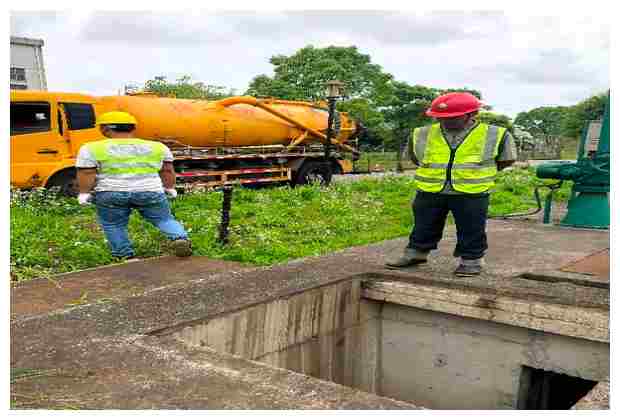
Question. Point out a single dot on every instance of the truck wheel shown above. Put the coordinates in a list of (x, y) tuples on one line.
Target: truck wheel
[(313, 171), (66, 183)]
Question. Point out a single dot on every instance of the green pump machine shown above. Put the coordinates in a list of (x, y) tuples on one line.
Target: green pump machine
[(588, 206)]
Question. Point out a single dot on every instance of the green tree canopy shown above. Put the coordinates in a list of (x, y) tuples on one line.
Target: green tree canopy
[(303, 75), (499, 120), (185, 88), (566, 121), (578, 116), (545, 120)]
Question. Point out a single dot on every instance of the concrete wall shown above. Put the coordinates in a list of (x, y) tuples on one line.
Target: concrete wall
[(431, 358), (328, 333), (445, 361)]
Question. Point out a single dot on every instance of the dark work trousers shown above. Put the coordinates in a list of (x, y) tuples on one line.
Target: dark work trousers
[(470, 215)]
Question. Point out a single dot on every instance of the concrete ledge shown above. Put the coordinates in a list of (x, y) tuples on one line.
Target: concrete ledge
[(574, 321), (161, 373)]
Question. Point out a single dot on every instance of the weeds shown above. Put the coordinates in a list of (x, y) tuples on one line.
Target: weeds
[(51, 235)]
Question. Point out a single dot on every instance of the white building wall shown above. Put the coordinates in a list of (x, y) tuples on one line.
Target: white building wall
[(27, 54)]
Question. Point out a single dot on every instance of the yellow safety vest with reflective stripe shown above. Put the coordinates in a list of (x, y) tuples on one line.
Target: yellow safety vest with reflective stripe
[(471, 167), (127, 157)]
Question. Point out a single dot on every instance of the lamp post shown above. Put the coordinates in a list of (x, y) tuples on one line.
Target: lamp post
[(335, 89)]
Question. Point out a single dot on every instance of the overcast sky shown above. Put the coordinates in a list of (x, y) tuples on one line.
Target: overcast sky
[(517, 62)]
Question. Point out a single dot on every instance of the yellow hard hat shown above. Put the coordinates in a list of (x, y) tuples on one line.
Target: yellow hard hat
[(116, 117)]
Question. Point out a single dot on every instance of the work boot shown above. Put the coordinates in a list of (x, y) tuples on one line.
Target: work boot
[(469, 268), (182, 247), (125, 259), (411, 257)]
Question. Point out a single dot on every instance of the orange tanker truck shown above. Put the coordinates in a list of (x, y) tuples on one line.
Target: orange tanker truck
[(240, 139)]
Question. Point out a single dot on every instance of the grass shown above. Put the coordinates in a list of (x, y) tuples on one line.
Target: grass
[(52, 235), (570, 149)]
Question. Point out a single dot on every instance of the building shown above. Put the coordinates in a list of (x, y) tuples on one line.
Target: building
[(27, 69)]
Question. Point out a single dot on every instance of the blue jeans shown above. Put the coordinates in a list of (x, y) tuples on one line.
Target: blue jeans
[(114, 208)]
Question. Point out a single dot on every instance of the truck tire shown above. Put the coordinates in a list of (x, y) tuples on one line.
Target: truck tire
[(314, 171), (65, 181)]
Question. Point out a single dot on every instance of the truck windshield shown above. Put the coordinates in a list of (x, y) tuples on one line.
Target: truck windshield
[(30, 117)]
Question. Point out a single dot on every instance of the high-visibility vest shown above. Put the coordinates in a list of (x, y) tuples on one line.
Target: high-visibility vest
[(471, 167), (128, 157)]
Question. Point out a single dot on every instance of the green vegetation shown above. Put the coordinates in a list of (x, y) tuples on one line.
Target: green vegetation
[(570, 149), (185, 88), (381, 161), (51, 235), (565, 121)]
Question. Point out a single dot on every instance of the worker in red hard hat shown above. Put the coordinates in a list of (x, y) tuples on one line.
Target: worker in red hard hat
[(458, 158)]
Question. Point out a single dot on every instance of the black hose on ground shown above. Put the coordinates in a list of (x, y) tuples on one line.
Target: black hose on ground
[(538, 204)]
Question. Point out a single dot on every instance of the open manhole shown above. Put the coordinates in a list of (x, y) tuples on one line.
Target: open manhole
[(544, 390), (410, 351)]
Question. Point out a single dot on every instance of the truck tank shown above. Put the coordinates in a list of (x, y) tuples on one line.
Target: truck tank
[(231, 122)]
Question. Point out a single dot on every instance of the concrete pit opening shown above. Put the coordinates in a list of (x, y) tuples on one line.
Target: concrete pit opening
[(437, 345), (548, 390)]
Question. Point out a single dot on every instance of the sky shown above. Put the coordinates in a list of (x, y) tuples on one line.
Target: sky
[(517, 61)]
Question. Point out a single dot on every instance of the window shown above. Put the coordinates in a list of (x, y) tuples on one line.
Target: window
[(79, 116), (18, 74), (30, 117)]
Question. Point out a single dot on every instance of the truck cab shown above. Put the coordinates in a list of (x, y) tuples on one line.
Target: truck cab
[(47, 130)]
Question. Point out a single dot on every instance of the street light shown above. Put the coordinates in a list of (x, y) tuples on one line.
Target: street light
[(335, 88)]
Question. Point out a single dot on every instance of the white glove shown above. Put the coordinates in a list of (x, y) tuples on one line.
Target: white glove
[(171, 192), (84, 198)]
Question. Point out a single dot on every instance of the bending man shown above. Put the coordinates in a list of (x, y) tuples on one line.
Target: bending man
[(122, 173)]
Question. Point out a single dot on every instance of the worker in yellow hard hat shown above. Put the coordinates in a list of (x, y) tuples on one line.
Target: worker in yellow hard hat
[(121, 173)]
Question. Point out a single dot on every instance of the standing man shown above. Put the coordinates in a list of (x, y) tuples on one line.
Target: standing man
[(458, 159), (122, 173)]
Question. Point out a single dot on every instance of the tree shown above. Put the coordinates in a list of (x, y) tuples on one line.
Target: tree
[(184, 88), (406, 107), (303, 75), (565, 121), (375, 130), (496, 119), (545, 120), (389, 109), (578, 116)]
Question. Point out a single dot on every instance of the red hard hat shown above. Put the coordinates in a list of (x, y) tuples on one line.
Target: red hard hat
[(453, 104)]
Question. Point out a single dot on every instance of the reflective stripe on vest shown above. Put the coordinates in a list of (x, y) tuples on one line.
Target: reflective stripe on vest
[(473, 169), (127, 157)]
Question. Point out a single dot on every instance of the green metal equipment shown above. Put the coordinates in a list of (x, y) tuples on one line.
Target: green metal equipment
[(588, 206)]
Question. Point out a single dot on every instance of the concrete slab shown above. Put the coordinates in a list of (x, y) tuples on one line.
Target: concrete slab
[(562, 308), (114, 361), (111, 282), (596, 265)]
